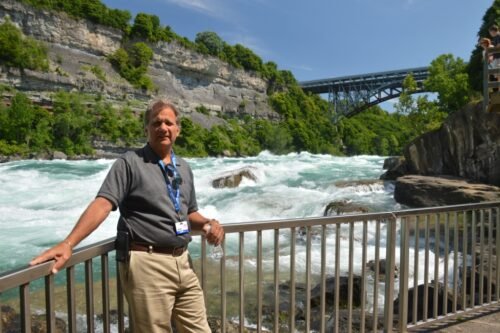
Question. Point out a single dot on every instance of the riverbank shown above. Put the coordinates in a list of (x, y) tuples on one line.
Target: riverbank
[(100, 153)]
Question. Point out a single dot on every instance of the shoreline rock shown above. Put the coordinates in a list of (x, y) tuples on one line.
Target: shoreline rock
[(428, 191), (467, 145)]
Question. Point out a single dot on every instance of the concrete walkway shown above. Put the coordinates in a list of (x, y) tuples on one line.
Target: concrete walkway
[(482, 321)]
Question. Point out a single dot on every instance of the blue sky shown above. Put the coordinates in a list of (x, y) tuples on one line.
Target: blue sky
[(328, 38)]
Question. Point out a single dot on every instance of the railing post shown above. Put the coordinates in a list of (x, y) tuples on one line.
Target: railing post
[(1, 325), (403, 275), (71, 299), (242, 281), (119, 302), (390, 259), (24, 294), (50, 316)]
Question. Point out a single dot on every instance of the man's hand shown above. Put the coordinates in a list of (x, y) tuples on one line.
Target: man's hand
[(214, 232), (92, 217), (60, 253)]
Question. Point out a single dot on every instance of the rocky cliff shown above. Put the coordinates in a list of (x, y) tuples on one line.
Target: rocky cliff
[(467, 145), (188, 78)]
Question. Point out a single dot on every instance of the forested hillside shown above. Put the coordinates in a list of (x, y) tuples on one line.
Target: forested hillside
[(72, 122)]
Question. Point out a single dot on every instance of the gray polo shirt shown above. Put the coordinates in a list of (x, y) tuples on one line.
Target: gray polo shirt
[(136, 186)]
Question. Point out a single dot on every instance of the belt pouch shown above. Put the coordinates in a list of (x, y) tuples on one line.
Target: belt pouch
[(122, 245)]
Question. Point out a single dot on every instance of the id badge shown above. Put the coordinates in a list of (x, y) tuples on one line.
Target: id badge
[(181, 228)]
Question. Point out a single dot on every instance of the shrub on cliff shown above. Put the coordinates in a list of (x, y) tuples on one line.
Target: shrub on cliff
[(209, 42), (132, 64), (92, 10), (19, 51)]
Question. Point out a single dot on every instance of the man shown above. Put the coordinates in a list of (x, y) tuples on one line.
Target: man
[(495, 37), (154, 190), (495, 41)]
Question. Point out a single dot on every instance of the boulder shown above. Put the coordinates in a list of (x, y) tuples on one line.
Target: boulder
[(372, 265), (429, 310), (395, 166), (343, 292), (427, 191), (391, 162), (233, 178), (57, 155), (343, 207), (11, 322)]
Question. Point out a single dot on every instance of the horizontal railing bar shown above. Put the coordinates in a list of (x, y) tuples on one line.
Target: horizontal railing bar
[(91, 251), (493, 84), (444, 209), (460, 316), (289, 223), (14, 278)]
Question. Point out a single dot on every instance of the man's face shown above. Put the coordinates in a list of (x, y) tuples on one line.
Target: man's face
[(493, 32), (162, 130)]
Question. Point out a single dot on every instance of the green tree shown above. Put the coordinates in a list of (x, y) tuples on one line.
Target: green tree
[(130, 127), (217, 141), (271, 136), (41, 137), (211, 42), (191, 141), (449, 79), (72, 128), (21, 120), (146, 26), (423, 115), (118, 18), (140, 55), (247, 59)]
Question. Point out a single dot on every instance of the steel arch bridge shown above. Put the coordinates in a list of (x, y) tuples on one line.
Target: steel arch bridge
[(350, 95)]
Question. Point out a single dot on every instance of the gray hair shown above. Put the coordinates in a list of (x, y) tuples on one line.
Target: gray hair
[(156, 106)]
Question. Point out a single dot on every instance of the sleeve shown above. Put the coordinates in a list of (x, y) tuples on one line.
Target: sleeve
[(117, 183), (193, 204)]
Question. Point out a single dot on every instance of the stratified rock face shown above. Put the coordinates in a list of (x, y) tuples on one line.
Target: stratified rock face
[(427, 191), (186, 77), (467, 146), (60, 29)]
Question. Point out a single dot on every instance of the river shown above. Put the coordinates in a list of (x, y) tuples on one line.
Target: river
[(41, 200)]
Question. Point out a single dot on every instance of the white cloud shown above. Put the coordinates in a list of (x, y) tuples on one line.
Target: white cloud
[(214, 8), (247, 41)]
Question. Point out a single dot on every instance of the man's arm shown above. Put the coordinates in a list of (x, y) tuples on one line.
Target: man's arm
[(212, 228), (92, 217)]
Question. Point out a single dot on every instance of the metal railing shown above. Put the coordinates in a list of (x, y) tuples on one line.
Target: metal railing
[(382, 271)]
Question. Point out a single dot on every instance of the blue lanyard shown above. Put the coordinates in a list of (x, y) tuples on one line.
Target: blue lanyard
[(174, 194)]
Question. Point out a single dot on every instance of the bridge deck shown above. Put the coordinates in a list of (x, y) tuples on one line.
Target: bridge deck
[(352, 94)]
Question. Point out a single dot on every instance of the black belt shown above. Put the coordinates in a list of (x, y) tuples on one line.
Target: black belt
[(174, 251)]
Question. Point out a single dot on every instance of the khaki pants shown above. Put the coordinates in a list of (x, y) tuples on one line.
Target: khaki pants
[(159, 288)]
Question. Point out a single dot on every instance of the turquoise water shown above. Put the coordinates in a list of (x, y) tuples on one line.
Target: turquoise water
[(41, 200)]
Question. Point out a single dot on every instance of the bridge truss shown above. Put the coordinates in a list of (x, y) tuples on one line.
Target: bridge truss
[(350, 95)]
